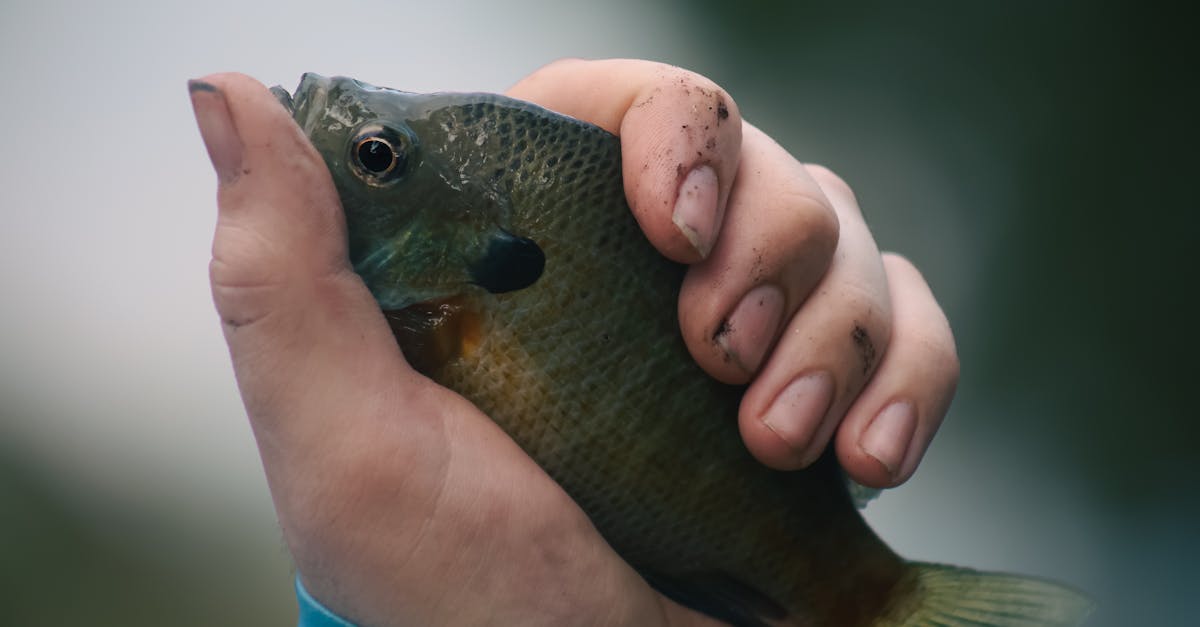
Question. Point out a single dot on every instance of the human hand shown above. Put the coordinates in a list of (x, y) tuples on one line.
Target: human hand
[(394, 493), (788, 291), (400, 501)]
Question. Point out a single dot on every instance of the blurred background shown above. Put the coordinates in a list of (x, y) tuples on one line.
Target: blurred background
[(1031, 157)]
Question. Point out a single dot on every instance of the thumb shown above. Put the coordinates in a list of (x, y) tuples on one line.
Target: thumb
[(353, 440), (306, 337)]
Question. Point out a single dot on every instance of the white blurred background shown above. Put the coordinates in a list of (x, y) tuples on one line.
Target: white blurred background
[(130, 488)]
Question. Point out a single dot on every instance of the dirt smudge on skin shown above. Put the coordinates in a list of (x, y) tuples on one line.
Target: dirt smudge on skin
[(723, 330), (757, 269), (649, 99), (864, 346)]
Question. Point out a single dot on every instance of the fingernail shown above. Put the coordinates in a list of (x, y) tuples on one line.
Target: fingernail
[(216, 127), (799, 409), (748, 331), (696, 209), (889, 434)]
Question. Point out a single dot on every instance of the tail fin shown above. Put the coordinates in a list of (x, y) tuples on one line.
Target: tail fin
[(948, 596)]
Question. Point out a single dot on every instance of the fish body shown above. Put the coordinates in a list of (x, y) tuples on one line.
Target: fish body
[(497, 237)]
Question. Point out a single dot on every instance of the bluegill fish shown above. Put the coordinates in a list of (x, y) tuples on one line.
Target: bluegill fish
[(496, 236)]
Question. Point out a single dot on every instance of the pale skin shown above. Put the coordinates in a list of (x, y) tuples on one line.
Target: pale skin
[(402, 504)]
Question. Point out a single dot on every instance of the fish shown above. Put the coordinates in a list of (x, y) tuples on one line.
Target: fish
[(496, 237)]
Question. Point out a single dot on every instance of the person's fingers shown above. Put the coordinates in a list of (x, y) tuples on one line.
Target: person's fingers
[(680, 140), (776, 244), (829, 348), (891, 424)]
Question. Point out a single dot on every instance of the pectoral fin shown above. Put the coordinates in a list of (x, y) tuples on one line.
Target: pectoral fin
[(434, 333)]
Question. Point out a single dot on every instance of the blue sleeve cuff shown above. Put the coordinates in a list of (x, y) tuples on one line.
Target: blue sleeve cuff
[(313, 614)]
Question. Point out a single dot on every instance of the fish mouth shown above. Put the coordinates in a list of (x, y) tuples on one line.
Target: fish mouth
[(310, 96), (284, 99)]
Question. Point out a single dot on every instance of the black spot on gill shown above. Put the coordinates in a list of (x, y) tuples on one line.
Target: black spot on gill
[(511, 263)]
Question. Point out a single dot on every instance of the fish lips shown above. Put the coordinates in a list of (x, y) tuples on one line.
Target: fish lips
[(310, 95)]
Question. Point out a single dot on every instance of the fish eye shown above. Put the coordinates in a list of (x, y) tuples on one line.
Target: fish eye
[(381, 154), (376, 155)]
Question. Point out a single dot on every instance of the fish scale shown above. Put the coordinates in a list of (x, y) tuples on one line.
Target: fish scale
[(584, 367)]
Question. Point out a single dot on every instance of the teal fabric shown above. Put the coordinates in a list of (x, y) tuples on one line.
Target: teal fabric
[(313, 614)]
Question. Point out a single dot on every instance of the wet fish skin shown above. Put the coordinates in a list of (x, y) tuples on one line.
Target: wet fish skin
[(584, 367)]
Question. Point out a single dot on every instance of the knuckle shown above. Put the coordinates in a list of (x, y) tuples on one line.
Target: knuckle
[(821, 222), (869, 313), (701, 89), (560, 63), (246, 275), (830, 182), (244, 257), (936, 349), (895, 261), (953, 371), (947, 355), (925, 324), (811, 221)]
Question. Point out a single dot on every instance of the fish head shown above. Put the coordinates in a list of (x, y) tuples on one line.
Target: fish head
[(422, 222)]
